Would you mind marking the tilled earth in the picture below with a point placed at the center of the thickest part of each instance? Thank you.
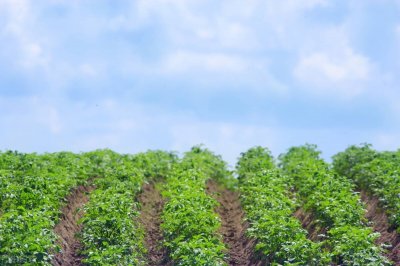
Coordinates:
(68, 227)
(315, 232)
(152, 205)
(240, 248)
(380, 222)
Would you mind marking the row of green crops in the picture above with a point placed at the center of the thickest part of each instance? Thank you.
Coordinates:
(189, 222)
(265, 198)
(378, 173)
(331, 198)
(111, 233)
(32, 189)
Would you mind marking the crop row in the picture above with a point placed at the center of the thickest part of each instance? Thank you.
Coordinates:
(269, 208)
(32, 189)
(337, 208)
(190, 223)
(111, 232)
(378, 173)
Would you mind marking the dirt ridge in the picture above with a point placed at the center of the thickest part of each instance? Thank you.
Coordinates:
(240, 248)
(68, 227)
(152, 205)
(381, 224)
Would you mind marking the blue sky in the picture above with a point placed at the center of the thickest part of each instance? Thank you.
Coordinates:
(169, 74)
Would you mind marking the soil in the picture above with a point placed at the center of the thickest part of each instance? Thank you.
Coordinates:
(380, 223)
(307, 219)
(150, 217)
(68, 227)
(240, 248)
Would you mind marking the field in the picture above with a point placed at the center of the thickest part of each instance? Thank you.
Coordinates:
(158, 208)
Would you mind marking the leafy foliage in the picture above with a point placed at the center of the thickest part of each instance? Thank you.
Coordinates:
(344, 163)
(207, 162)
(189, 222)
(265, 198)
(336, 206)
(376, 172)
(111, 234)
(32, 190)
(253, 160)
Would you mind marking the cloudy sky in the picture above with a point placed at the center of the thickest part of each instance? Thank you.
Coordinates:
(169, 74)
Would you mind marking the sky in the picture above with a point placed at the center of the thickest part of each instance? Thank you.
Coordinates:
(79, 75)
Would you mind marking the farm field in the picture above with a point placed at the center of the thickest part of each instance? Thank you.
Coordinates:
(158, 208)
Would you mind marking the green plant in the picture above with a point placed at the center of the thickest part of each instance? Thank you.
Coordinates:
(378, 173)
(190, 224)
(266, 200)
(33, 188)
(331, 198)
(112, 234)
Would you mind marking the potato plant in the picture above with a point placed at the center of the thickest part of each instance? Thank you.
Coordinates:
(190, 223)
(378, 173)
(111, 234)
(331, 198)
(265, 198)
(32, 189)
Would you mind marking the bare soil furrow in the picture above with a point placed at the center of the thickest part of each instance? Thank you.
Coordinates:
(381, 224)
(152, 205)
(68, 227)
(315, 232)
(240, 248)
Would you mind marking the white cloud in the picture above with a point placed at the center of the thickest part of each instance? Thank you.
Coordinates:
(197, 24)
(33, 55)
(397, 32)
(213, 26)
(19, 25)
(32, 112)
(186, 61)
(230, 45)
(37, 124)
(221, 34)
(52, 120)
(88, 70)
(201, 38)
(342, 74)
(17, 9)
(330, 66)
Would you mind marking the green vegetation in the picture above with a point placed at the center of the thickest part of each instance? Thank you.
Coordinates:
(111, 234)
(269, 208)
(189, 222)
(378, 173)
(331, 198)
(32, 189)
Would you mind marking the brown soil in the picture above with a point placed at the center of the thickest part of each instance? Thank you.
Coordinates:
(380, 224)
(68, 227)
(307, 219)
(240, 248)
(152, 205)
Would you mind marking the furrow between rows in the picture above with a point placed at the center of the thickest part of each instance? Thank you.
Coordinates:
(152, 205)
(68, 227)
(233, 227)
(389, 237)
